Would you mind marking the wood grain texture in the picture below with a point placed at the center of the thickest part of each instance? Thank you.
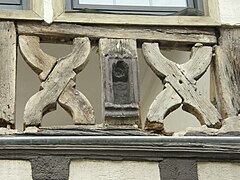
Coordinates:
(186, 35)
(227, 72)
(198, 63)
(7, 73)
(182, 83)
(63, 72)
(119, 65)
(230, 128)
(76, 104)
(159, 110)
(90, 130)
(122, 148)
(40, 62)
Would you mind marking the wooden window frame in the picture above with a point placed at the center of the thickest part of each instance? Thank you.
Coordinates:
(74, 5)
(211, 17)
(35, 12)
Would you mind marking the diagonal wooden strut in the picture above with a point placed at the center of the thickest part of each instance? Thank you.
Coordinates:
(182, 79)
(59, 85)
(40, 62)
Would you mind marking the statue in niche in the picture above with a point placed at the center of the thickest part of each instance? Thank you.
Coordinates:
(121, 85)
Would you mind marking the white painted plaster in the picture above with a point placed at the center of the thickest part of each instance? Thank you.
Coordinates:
(113, 170)
(229, 12)
(48, 11)
(218, 171)
(15, 169)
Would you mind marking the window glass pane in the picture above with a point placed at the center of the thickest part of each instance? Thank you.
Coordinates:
(97, 2)
(172, 3)
(14, 4)
(152, 7)
(10, 2)
(133, 2)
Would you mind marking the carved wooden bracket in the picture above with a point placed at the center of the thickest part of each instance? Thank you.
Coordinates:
(58, 82)
(179, 81)
(120, 81)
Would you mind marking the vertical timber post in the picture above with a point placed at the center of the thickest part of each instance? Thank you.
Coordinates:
(7, 73)
(227, 72)
(119, 65)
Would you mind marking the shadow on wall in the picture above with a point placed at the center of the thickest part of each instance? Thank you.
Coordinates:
(89, 83)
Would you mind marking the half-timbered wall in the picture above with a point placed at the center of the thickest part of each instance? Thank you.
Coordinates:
(123, 144)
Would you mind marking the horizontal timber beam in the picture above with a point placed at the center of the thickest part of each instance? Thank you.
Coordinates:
(121, 147)
(62, 32)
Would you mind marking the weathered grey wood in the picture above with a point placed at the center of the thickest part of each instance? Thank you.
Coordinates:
(7, 73)
(182, 83)
(227, 72)
(120, 81)
(76, 104)
(230, 127)
(198, 63)
(66, 32)
(122, 148)
(89, 130)
(40, 62)
(63, 72)
(159, 110)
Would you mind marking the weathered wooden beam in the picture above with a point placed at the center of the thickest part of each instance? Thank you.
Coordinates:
(120, 81)
(89, 130)
(66, 32)
(7, 73)
(122, 148)
(227, 72)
